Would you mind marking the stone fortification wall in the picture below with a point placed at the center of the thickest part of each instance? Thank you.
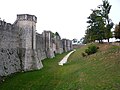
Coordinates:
(22, 49)
(50, 44)
(9, 49)
(59, 45)
(67, 45)
(40, 46)
(48, 39)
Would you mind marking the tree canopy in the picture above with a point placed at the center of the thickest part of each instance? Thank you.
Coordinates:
(100, 24)
(117, 31)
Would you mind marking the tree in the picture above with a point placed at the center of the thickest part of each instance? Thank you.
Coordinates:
(95, 30)
(56, 33)
(81, 40)
(85, 39)
(100, 24)
(74, 40)
(117, 31)
(105, 10)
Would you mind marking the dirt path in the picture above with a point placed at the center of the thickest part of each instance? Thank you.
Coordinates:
(64, 60)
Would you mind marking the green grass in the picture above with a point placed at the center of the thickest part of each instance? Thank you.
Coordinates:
(100, 71)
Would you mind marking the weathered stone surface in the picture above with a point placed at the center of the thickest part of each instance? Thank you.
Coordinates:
(47, 35)
(9, 61)
(59, 45)
(67, 45)
(40, 46)
(27, 27)
(9, 57)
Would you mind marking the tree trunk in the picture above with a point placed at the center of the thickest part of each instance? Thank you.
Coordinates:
(99, 41)
(108, 40)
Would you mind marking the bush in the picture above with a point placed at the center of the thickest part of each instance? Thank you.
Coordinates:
(83, 54)
(91, 49)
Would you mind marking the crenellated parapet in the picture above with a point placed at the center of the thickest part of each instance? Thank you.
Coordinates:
(2, 22)
(27, 17)
(5, 26)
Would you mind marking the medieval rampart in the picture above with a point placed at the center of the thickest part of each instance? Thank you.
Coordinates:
(22, 49)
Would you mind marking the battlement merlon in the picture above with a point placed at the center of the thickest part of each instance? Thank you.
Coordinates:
(28, 17)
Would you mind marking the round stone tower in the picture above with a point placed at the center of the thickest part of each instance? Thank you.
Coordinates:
(27, 32)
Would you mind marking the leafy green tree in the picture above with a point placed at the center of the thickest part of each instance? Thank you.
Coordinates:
(100, 24)
(74, 40)
(56, 33)
(117, 31)
(105, 10)
(85, 39)
(95, 30)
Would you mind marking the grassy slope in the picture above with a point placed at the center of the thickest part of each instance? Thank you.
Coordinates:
(100, 71)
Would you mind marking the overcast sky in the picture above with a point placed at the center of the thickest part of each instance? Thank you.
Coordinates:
(67, 17)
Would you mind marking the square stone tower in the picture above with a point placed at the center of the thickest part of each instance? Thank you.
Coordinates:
(27, 32)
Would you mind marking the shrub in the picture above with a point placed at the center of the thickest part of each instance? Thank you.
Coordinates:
(91, 49)
(83, 54)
